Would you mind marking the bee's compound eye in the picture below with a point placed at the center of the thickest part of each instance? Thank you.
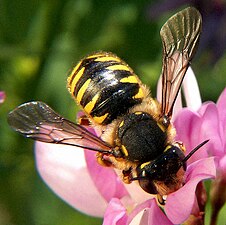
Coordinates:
(148, 186)
(145, 182)
(174, 151)
(174, 156)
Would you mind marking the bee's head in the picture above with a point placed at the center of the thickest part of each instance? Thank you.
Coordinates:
(165, 173)
(163, 169)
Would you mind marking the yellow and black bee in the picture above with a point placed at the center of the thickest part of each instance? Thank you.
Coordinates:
(137, 135)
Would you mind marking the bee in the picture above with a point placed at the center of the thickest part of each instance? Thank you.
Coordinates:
(136, 132)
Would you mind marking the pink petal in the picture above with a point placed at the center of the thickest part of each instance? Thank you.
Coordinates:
(179, 204)
(212, 130)
(221, 105)
(106, 180)
(147, 213)
(109, 183)
(184, 124)
(222, 166)
(205, 105)
(115, 214)
(64, 170)
(188, 125)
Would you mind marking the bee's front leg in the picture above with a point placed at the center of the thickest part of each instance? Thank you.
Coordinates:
(127, 176)
(103, 160)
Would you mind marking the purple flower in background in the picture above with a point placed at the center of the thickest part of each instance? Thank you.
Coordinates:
(2, 96)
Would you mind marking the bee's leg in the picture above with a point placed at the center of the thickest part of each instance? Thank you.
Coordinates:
(103, 161)
(127, 175)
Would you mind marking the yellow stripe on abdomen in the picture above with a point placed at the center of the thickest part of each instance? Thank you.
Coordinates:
(129, 79)
(108, 58)
(74, 71)
(75, 80)
(100, 119)
(118, 67)
(90, 105)
(82, 90)
(95, 55)
(140, 94)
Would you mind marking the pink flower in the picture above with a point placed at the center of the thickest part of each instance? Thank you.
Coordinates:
(75, 176)
(209, 122)
(146, 213)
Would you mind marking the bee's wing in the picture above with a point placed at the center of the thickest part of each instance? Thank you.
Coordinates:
(38, 121)
(180, 37)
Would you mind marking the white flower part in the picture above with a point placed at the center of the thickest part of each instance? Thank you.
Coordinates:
(137, 219)
(191, 91)
(159, 90)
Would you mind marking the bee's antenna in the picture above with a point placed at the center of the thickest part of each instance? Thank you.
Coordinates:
(194, 150)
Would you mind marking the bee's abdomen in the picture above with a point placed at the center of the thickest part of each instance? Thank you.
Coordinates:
(105, 86)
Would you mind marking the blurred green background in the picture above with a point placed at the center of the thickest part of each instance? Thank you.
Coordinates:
(40, 41)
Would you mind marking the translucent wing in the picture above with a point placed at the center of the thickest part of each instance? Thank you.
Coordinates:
(180, 37)
(38, 121)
